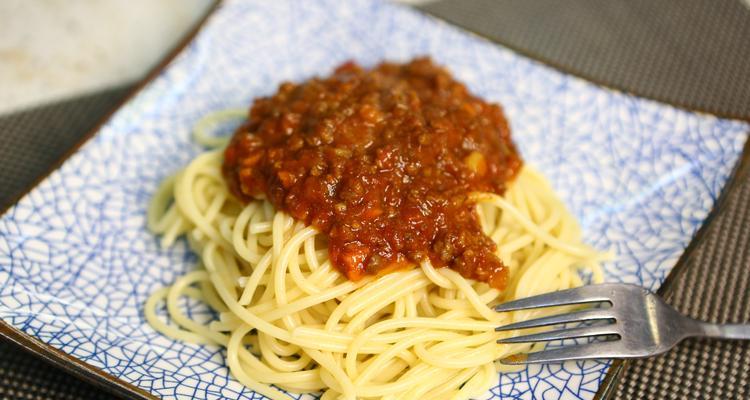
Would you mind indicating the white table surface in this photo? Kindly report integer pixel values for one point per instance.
(53, 49)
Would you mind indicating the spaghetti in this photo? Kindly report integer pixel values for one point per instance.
(290, 319)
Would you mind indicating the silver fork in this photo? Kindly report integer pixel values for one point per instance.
(638, 324)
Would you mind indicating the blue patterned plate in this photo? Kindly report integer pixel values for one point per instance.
(77, 263)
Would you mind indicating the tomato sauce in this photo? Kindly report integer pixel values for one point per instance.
(382, 161)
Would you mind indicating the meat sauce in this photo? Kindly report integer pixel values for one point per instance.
(382, 161)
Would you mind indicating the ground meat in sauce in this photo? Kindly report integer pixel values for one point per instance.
(382, 161)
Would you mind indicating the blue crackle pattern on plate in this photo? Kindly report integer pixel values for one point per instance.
(77, 263)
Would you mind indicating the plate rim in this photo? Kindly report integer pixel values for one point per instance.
(119, 387)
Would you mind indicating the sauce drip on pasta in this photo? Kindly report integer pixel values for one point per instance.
(382, 161)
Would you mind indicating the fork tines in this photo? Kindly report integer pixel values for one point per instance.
(568, 353)
(582, 295)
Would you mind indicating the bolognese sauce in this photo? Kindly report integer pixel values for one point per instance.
(382, 161)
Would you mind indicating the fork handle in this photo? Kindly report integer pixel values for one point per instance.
(725, 331)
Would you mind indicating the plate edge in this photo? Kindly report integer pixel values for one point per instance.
(69, 364)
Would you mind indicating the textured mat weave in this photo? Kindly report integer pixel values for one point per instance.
(23, 377)
(691, 52)
(694, 54)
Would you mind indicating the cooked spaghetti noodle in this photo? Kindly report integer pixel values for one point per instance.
(289, 319)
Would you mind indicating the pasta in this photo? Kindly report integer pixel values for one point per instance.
(290, 320)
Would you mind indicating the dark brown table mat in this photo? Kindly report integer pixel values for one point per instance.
(692, 53)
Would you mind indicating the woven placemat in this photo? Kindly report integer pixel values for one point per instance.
(23, 377)
(692, 54)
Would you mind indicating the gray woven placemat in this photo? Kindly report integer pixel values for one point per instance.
(693, 53)
(23, 377)
(689, 52)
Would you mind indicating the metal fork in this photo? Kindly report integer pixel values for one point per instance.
(638, 324)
